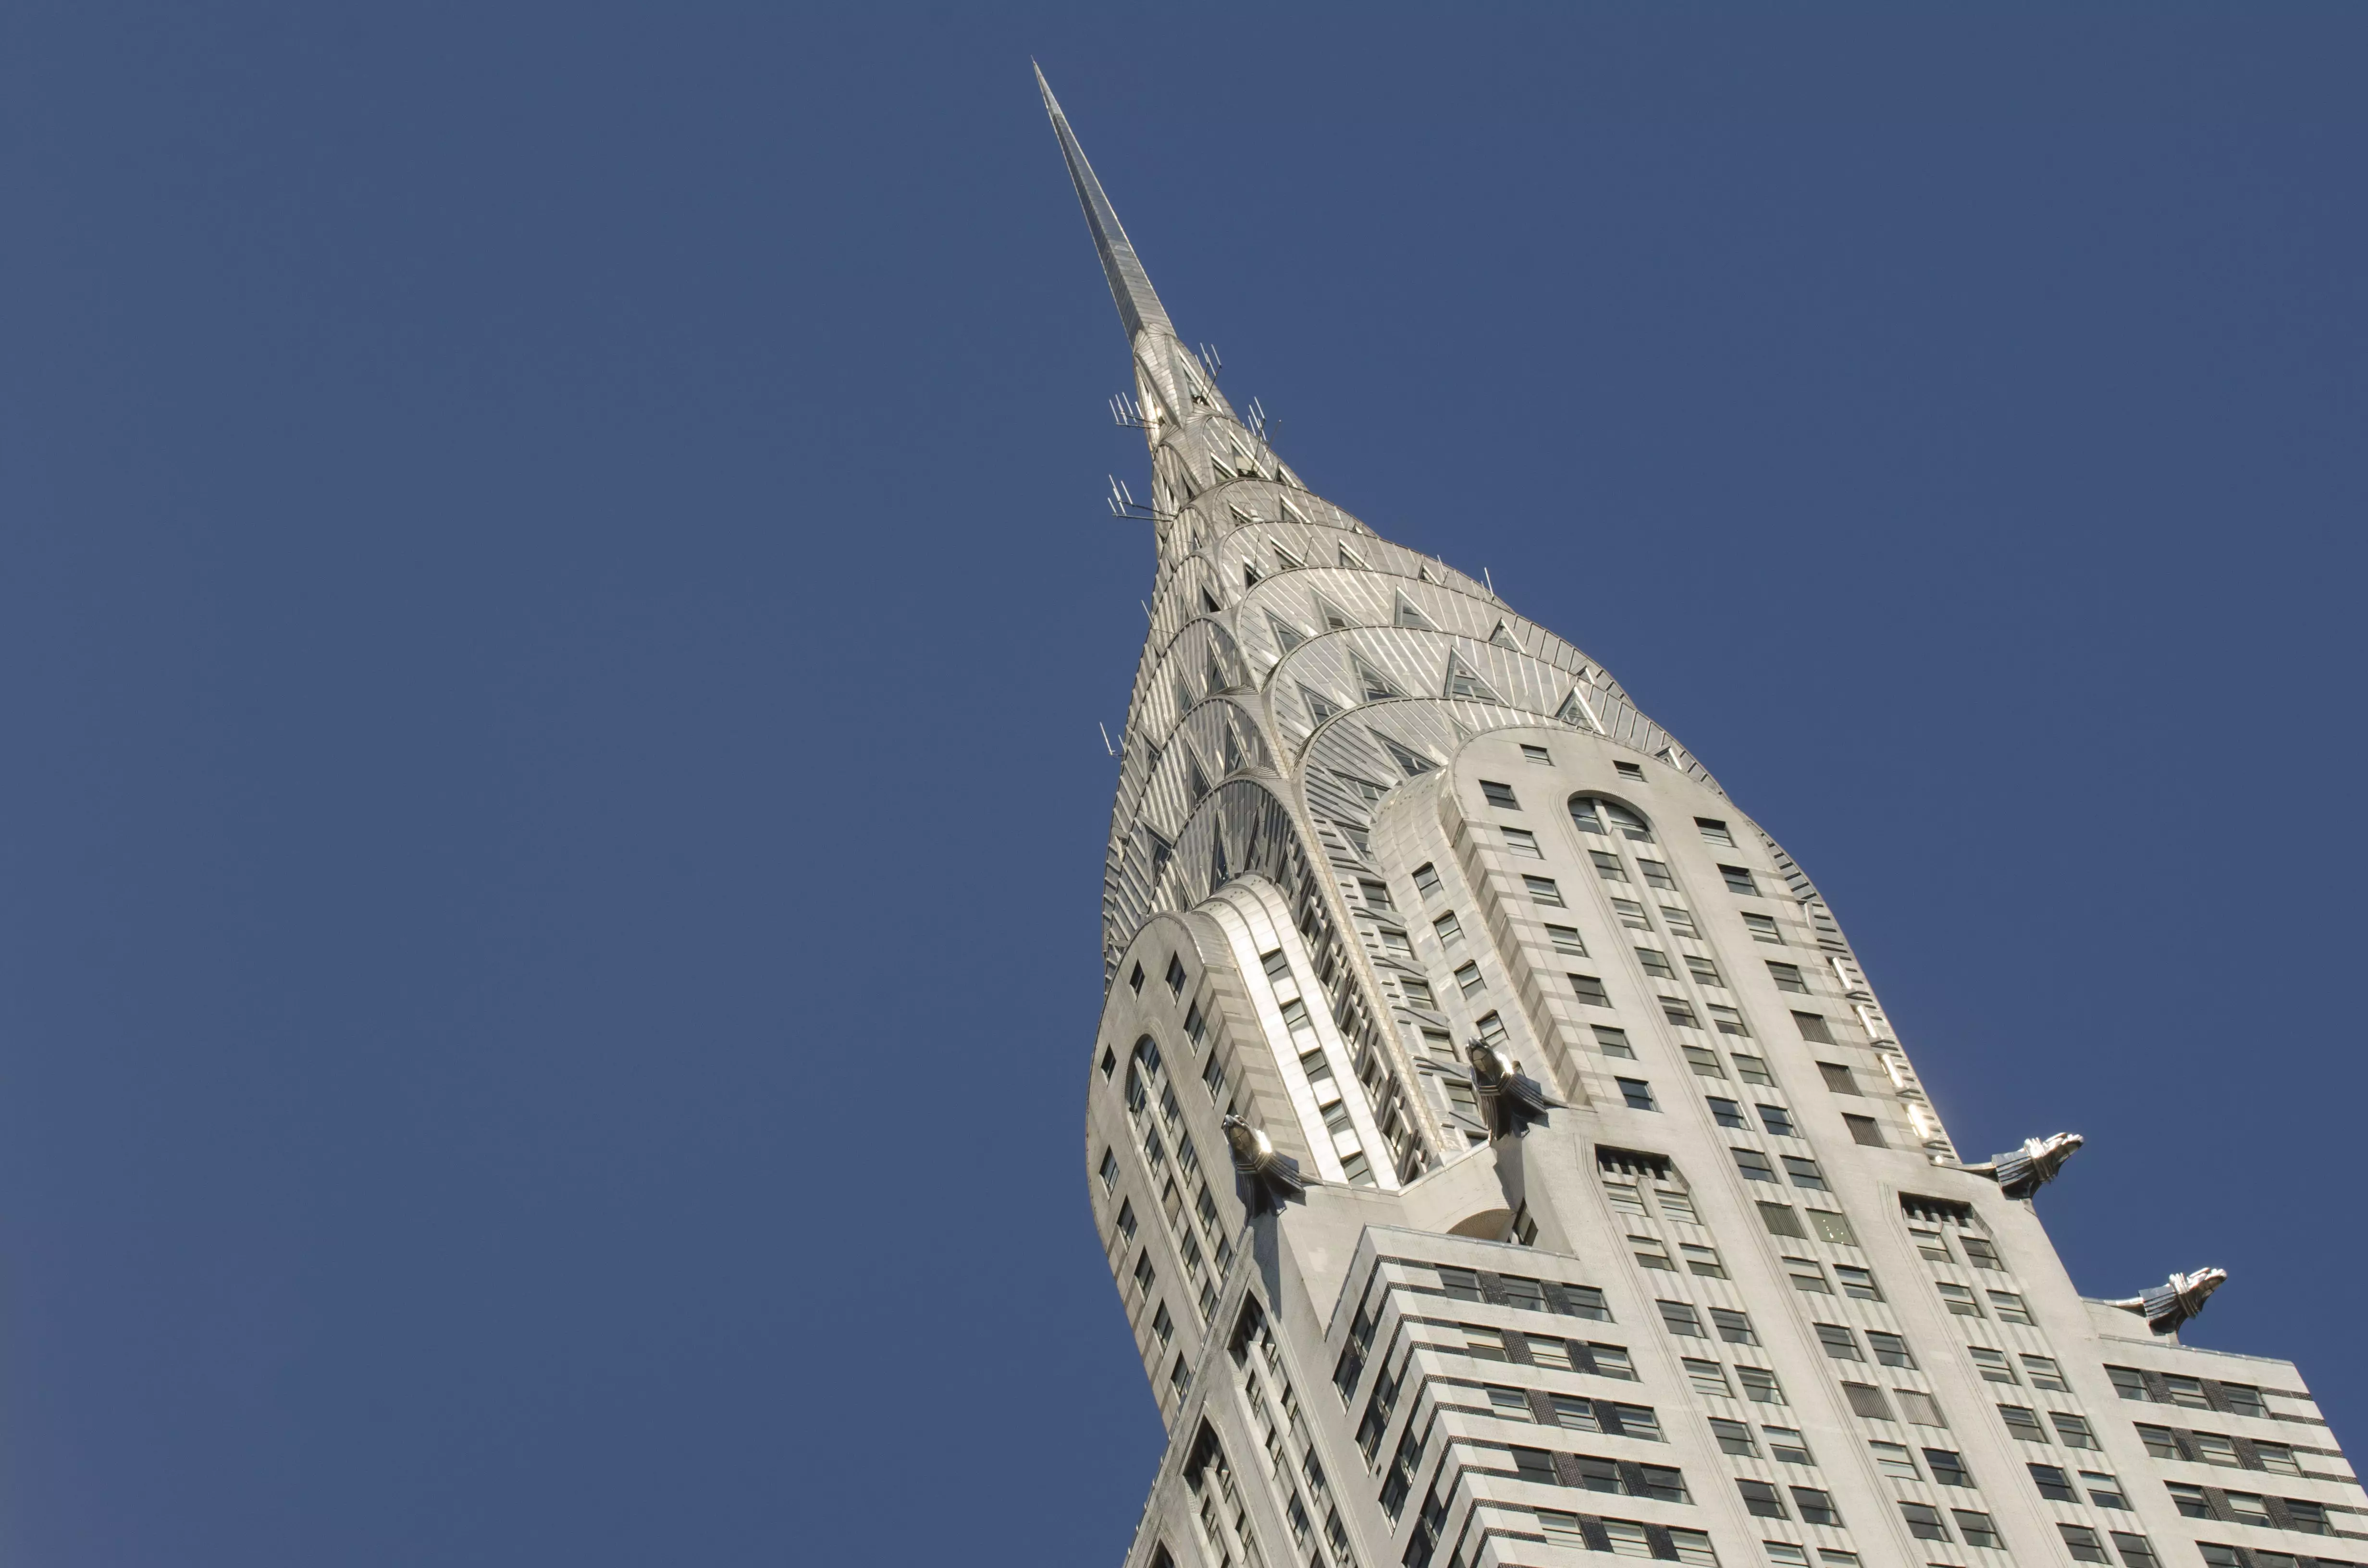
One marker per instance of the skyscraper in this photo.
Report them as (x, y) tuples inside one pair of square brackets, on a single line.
[(1499, 1151)]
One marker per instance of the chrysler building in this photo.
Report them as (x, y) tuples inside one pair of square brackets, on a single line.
[(1501, 1155)]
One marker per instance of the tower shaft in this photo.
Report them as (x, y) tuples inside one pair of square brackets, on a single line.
[(1735, 1299)]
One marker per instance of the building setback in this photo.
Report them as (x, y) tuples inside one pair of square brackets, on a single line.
[(1499, 1151)]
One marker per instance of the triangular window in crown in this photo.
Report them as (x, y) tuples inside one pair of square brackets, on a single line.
[(1241, 518), (1347, 558), (1412, 763), (1319, 706), (1503, 637), (1575, 711), (1233, 748), (1161, 853), (1333, 618), (1209, 602), (1218, 874), (1196, 783), (1218, 681), (1290, 563), (1462, 682), (1184, 698), (1422, 573), (1375, 685), (1250, 575), (1286, 636), (1407, 615)]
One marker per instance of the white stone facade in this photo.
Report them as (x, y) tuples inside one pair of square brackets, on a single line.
[(1731, 1301)]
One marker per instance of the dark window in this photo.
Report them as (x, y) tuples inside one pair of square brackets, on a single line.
[(1776, 1119), (1425, 879), (1780, 1219), (1607, 866), (1590, 990), (2136, 1550), (1462, 1284), (1864, 1129), (2023, 1424), (1499, 795), (1761, 1500), (1628, 769), (1637, 1093), (1803, 1172), (1135, 981), (1655, 963), (1812, 1028), (1840, 1342), (1787, 977), (1734, 1327), (1377, 894), (1726, 1113), (1536, 1465), (2073, 1429), (1890, 1349), (2082, 1543), (1714, 830), (1976, 1528), (1924, 1521), (1816, 1507), (1734, 1437), (1679, 1013), (1543, 891), (1754, 1165), (1838, 1078), (1867, 1400), (1739, 879), (2053, 1483), (1680, 1319), (1656, 875), (1948, 1466)]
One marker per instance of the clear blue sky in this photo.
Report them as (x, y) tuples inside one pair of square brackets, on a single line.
[(554, 602)]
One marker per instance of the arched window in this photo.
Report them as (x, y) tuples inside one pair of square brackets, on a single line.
[(1141, 1073), (1590, 813)]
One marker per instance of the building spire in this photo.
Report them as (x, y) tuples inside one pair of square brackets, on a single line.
[(1138, 307)]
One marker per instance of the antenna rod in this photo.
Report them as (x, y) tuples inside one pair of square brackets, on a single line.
[(1106, 741)]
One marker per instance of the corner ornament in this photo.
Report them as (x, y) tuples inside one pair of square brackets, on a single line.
[(2175, 1301), (2021, 1172), (1264, 1178), (1508, 1101)]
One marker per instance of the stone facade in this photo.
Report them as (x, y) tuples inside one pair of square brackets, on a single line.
[(1732, 1300)]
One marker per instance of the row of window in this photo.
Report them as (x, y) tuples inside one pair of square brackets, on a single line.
[(1624, 1538), (2193, 1394), (2220, 1556), (2212, 1447), (1943, 1467), (2250, 1508)]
